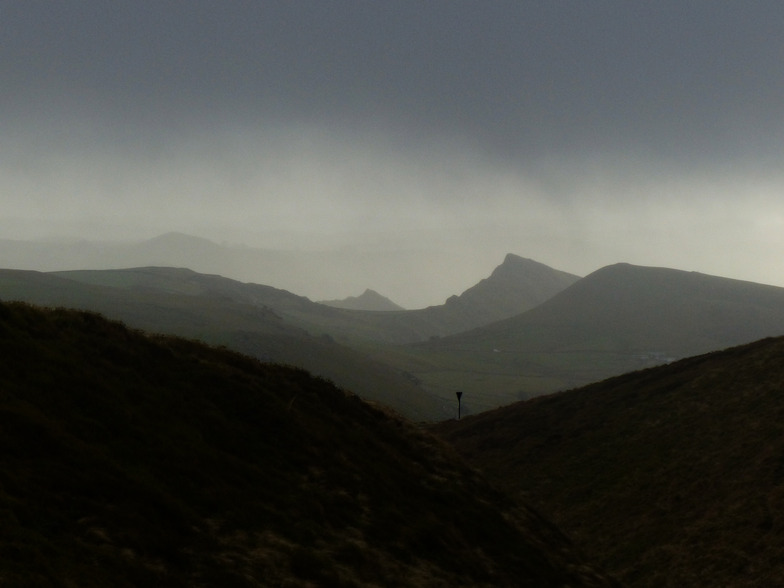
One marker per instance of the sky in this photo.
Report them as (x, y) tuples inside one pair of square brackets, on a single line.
[(576, 133)]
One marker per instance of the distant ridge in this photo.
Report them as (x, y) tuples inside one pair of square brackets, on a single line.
[(368, 300), (513, 287), (623, 307), (618, 319), (405, 276)]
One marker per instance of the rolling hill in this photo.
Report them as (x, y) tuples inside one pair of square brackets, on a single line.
[(669, 476), (618, 319), (132, 460), (221, 311), (402, 274), (624, 308), (514, 286)]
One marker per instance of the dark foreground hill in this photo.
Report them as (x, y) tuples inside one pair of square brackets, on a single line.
[(671, 476), (131, 460)]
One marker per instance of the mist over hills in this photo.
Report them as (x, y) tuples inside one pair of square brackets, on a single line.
[(134, 460), (516, 285), (557, 331), (617, 319), (635, 308), (219, 311), (368, 300), (276, 325), (669, 476), (513, 287), (407, 276)]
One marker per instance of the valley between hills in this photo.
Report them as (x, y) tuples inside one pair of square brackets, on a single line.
[(524, 331), (637, 408)]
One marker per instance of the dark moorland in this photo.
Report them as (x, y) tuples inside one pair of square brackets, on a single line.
[(137, 460), (668, 477)]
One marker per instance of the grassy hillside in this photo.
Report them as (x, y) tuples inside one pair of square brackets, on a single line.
[(618, 319), (132, 460), (670, 476), (220, 311)]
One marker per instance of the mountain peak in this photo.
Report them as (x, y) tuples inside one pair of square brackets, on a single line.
[(368, 300), (515, 286)]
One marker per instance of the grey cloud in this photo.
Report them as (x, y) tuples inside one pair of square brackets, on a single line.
[(518, 78), (577, 133)]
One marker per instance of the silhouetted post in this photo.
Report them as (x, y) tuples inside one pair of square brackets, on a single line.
[(459, 396)]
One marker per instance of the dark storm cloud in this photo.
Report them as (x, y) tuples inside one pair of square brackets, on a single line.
[(579, 133), (530, 79)]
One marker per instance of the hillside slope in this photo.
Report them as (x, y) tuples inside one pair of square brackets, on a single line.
[(618, 319), (138, 461), (627, 308), (221, 311), (515, 286), (671, 476)]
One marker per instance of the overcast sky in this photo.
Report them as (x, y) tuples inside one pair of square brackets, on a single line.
[(577, 133)]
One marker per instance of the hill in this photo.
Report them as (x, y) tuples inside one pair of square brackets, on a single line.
[(670, 476), (618, 319), (225, 312), (132, 460), (407, 275), (631, 309), (516, 285), (368, 300), (513, 287)]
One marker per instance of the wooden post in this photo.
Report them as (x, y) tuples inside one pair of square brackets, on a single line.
[(459, 396)]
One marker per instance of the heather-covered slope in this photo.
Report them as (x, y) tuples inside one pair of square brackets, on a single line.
[(671, 476), (131, 460)]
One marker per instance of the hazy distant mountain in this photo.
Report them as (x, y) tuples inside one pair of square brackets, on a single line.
[(515, 286), (670, 476), (368, 300), (133, 460), (403, 273)]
